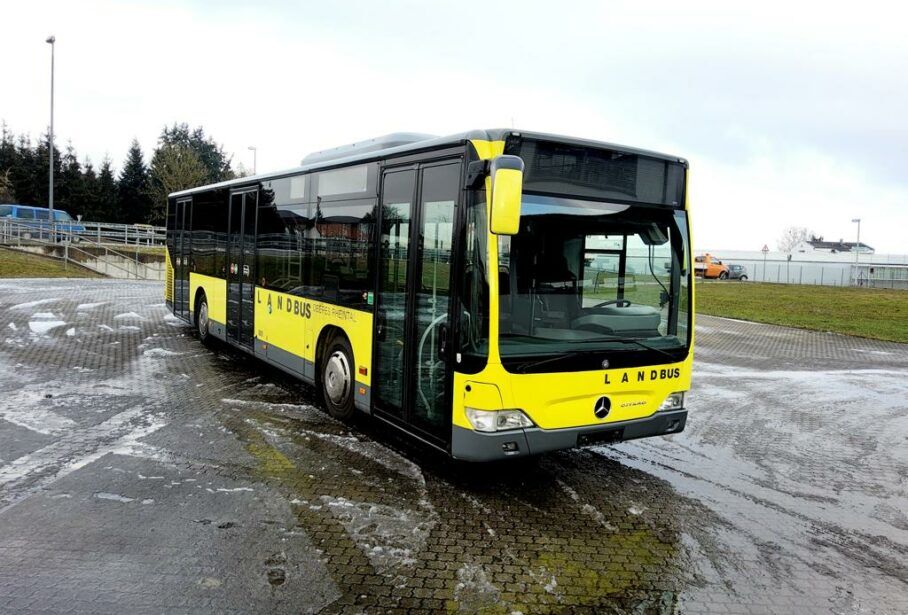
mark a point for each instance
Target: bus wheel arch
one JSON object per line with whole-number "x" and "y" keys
{"x": 335, "y": 372}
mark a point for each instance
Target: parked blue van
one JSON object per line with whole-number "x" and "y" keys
{"x": 39, "y": 217}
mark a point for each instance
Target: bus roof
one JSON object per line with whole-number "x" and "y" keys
{"x": 403, "y": 143}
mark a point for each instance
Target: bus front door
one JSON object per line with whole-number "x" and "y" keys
{"x": 240, "y": 267}
{"x": 412, "y": 372}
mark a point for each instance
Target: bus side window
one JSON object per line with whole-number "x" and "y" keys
{"x": 340, "y": 251}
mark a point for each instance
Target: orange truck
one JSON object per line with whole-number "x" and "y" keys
{"x": 708, "y": 266}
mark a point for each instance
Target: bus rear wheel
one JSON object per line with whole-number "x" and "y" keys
{"x": 337, "y": 379}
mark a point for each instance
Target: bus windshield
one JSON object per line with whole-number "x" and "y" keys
{"x": 585, "y": 275}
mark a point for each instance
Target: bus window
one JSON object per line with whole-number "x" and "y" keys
{"x": 25, "y": 213}
{"x": 42, "y": 214}
{"x": 62, "y": 216}
{"x": 6, "y": 211}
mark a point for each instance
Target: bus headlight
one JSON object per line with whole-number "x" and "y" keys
{"x": 675, "y": 401}
{"x": 497, "y": 420}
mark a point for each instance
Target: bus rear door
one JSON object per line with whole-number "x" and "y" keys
{"x": 240, "y": 267}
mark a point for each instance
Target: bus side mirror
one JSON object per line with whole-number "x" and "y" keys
{"x": 506, "y": 173}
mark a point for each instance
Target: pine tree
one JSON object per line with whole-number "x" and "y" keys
{"x": 68, "y": 191}
{"x": 107, "y": 197}
{"x": 134, "y": 199}
{"x": 86, "y": 198}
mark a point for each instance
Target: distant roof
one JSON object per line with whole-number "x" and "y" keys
{"x": 838, "y": 246}
{"x": 402, "y": 143}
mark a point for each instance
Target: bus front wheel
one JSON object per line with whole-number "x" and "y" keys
{"x": 202, "y": 322}
{"x": 337, "y": 379}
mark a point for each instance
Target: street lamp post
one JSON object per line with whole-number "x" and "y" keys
{"x": 50, "y": 137}
{"x": 255, "y": 152}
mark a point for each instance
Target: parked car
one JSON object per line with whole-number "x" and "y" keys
{"x": 35, "y": 221}
{"x": 708, "y": 266}
{"x": 737, "y": 272}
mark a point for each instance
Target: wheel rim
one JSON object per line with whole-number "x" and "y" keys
{"x": 203, "y": 319}
{"x": 337, "y": 377}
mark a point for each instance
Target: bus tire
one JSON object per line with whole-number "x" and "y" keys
{"x": 202, "y": 321}
{"x": 337, "y": 378}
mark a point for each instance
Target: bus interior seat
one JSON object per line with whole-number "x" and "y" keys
{"x": 641, "y": 320}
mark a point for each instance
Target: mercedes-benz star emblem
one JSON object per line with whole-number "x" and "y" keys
{"x": 602, "y": 407}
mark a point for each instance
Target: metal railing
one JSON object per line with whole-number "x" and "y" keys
{"x": 97, "y": 232}
{"x": 60, "y": 242}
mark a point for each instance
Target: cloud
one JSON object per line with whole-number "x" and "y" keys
{"x": 787, "y": 111}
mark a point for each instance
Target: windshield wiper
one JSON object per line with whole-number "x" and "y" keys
{"x": 629, "y": 340}
{"x": 561, "y": 355}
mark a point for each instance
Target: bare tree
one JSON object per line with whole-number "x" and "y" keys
{"x": 7, "y": 195}
{"x": 792, "y": 236}
{"x": 174, "y": 167}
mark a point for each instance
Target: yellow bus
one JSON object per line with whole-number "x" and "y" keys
{"x": 495, "y": 293}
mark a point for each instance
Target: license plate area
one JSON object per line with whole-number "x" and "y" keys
{"x": 600, "y": 437}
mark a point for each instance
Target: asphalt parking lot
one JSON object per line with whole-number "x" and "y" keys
{"x": 141, "y": 472}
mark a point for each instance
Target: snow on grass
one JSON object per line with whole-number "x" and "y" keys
{"x": 129, "y": 328}
{"x": 89, "y": 306}
{"x": 71, "y": 332}
{"x": 13, "y": 326}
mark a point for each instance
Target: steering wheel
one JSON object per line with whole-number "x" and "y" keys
{"x": 617, "y": 302}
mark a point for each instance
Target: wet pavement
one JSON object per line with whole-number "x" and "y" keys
{"x": 141, "y": 472}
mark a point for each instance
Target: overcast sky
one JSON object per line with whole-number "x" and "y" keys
{"x": 790, "y": 115}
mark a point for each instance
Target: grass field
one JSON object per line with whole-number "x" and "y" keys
{"x": 15, "y": 264}
{"x": 866, "y": 312}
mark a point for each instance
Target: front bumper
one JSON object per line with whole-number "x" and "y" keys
{"x": 472, "y": 445}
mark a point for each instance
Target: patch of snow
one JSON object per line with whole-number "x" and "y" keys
{"x": 161, "y": 352}
{"x": 129, "y": 328}
{"x": 474, "y": 592}
{"x": 23, "y": 306}
{"x": 131, "y": 315}
{"x": 71, "y": 332}
{"x": 41, "y": 327}
{"x": 105, "y": 327}
{"x": 235, "y": 489}
{"x": 388, "y": 536}
{"x": 586, "y": 507}
{"x": 101, "y": 495}
{"x": 25, "y": 412}
{"x": 13, "y": 326}
{"x": 89, "y": 306}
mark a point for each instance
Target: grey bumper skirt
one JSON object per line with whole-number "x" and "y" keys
{"x": 472, "y": 445}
